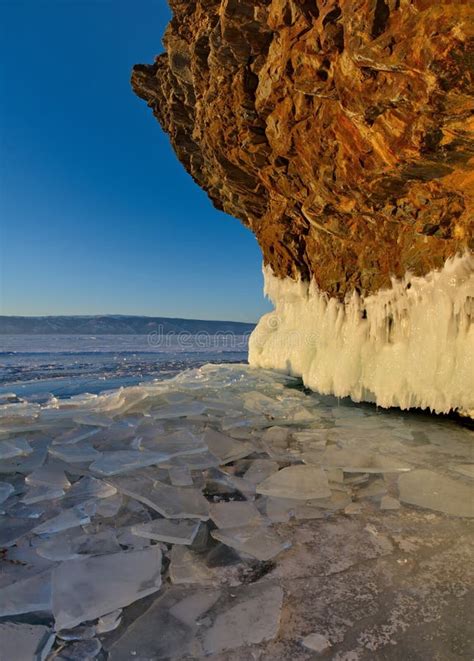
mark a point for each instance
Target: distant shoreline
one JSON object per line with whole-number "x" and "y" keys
{"x": 116, "y": 325}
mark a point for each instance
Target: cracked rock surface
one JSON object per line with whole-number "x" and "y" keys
{"x": 339, "y": 132}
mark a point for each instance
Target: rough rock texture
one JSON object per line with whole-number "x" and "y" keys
{"x": 341, "y": 132}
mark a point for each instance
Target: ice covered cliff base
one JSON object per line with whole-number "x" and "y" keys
{"x": 409, "y": 346}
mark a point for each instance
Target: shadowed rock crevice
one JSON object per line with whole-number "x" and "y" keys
{"x": 340, "y": 133}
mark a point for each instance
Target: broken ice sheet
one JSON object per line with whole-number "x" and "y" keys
{"x": 124, "y": 461}
{"x": 51, "y": 475}
{"x": 14, "y": 447}
{"x": 6, "y": 489}
{"x": 374, "y": 489}
{"x": 25, "y": 464}
{"x": 437, "y": 492}
{"x": 157, "y": 634}
{"x": 75, "y": 435}
{"x": 194, "y": 606}
{"x": 88, "y": 588}
{"x": 109, "y": 622}
{"x": 259, "y": 470}
{"x": 81, "y": 452}
{"x": 353, "y": 461}
{"x": 82, "y": 632}
{"x": 92, "y": 419}
{"x": 200, "y": 461}
{"x": 235, "y": 514}
{"x": 87, "y": 488}
{"x": 74, "y": 543}
{"x": 168, "y": 530}
{"x": 30, "y": 595}
{"x": 188, "y": 567}
{"x": 281, "y": 510}
{"x": 255, "y": 618}
{"x": 257, "y": 402}
{"x": 184, "y": 410}
{"x": 170, "y": 502}
{"x": 180, "y": 476}
{"x": 70, "y": 518}
{"x": 258, "y": 542}
{"x": 12, "y": 529}
{"x": 226, "y": 448}
{"x": 224, "y": 482}
{"x": 181, "y": 442}
{"x": 38, "y": 494}
{"x": 80, "y": 651}
{"x": 301, "y": 482}
{"x": 25, "y": 642}
{"x": 109, "y": 507}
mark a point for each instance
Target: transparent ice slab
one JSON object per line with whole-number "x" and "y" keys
{"x": 13, "y": 529}
{"x": 437, "y": 492}
{"x": 14, "y": 447}
{"x": 26, "y": 464}
{"x": 253, "y": 620}
{"x": 88, "y": 488}
{"x": 70, "y": 518}
{"x": 180, "y": 476}
{"x": 190, "y": 609}
{"x": 181, "y": 531}
{"x": 125, "y": 461}
{"x": 257, "y": 541}
{"x": 80, "y": 452}
{"x": 109, "y": 622}
{"x": 184, "y": 410}
{"x": 29, "y": 595}
{"x": 50, "y": 474}
{"x": 76, "y": 543}
{"x": 157, "y": 634}
{"x": 170, "y": 502}
{"x": 6, "y": 489}
{"x": 353, "y": 461}
{"x": 187, "y": 567}
{"x": 301, "y": 482}
{"x": 235, "y": 514}
{"x": 259, "y": 470}
{"x": 85, "y": 589}
{"x": 25, "y": 642}
{"x": 81, "y": 650}
{"x": 225, "y": 448}
{"x": 39, "y": 494}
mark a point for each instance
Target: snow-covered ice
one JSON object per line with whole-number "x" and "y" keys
{"x": 408, "y": 346}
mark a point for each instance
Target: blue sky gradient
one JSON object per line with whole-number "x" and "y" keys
{"x": 97, "y": 215}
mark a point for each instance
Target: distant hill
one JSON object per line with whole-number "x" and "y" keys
{"x": 115, "y": 325}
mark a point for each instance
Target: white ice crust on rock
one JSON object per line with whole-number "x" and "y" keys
{"x": 408, "y": 346}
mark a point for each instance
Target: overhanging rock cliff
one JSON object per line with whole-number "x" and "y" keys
{"x": 341, "y": 134}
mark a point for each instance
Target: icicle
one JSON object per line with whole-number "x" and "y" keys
{"x": 408, "y": 346}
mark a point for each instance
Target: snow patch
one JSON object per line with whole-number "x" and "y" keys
{"x": 408, "y": 346}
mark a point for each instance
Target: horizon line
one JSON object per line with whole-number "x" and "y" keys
{"x": 123, "y": 316}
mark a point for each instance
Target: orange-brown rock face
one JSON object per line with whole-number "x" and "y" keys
{"x": 341, "y": 132}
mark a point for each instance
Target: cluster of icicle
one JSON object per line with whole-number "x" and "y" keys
{"x": 408, "y": 346}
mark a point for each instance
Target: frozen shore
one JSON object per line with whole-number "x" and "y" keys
{"x": 409, "y": 346}
{"x": 228, "y": 513}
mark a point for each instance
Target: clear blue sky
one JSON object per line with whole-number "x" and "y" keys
{"x": 97, "y": 215}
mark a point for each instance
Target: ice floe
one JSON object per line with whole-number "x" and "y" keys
{"x": 196, "y": 493}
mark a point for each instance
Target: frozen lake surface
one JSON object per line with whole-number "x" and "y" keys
{"x": 38, "y": 366}
{"x": 224, "y": 513}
